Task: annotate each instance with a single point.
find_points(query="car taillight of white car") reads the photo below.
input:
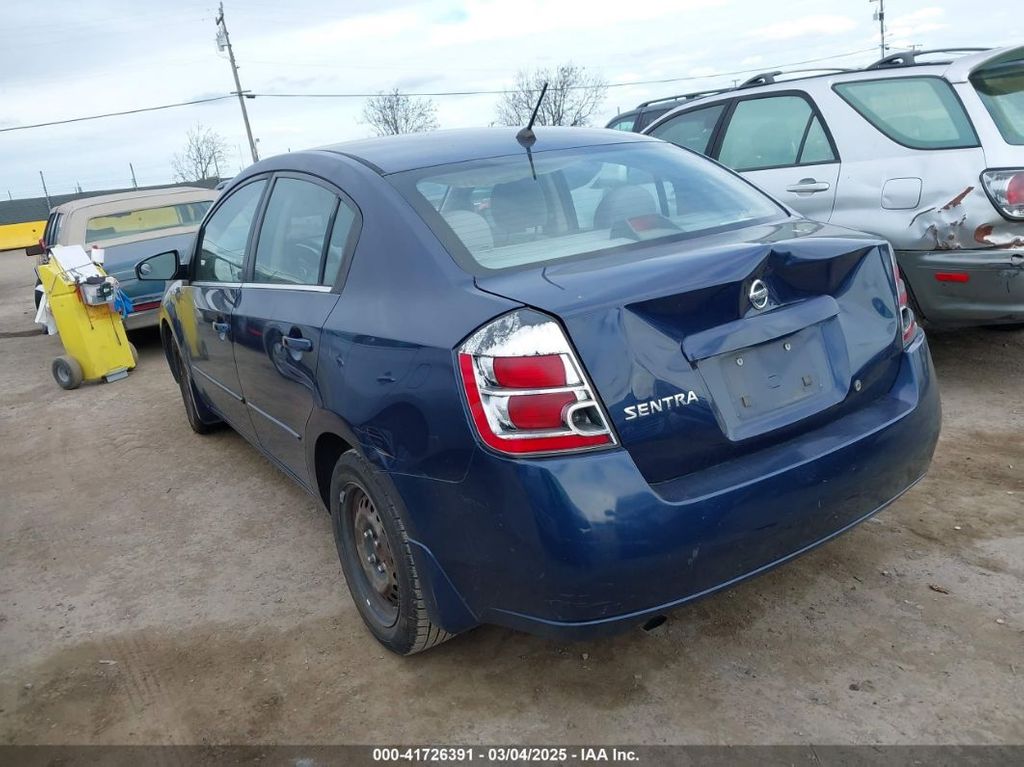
(1005, 187)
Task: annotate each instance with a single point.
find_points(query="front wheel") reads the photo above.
(377, 559)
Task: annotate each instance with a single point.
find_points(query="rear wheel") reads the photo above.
(67, 372)
(377, 560)
(135, 355)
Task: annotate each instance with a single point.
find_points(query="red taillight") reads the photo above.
(539, 411)
(535, 372)
(526, 391)
(1015, 190)
(908, 323)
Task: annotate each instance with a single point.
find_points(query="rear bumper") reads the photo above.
(990, 289)
(582, 546)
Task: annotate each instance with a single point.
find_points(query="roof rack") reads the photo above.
(768, 78)
(909, 58)
(683, 97)
(901, 59)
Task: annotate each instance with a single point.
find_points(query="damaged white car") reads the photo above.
(924, 148)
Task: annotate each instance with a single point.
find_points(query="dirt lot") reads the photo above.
(161, 587)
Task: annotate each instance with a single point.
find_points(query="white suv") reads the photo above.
(928, 154)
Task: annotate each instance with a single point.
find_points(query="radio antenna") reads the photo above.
(526, 136)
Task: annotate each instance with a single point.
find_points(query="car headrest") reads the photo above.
(471, 228)
(518, 206)
(621, 203)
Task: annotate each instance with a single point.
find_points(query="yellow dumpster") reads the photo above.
(80, 298)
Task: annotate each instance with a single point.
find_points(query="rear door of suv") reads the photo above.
(777, 140)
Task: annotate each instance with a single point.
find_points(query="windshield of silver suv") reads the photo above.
(519, 210)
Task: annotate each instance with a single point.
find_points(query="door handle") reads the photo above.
(809, 186)
(297, 344)
(221, 328)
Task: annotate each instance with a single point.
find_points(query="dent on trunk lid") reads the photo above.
(629, 322)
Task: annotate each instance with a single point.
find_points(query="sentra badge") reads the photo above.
(652, 406)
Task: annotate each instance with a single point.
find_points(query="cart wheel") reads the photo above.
(135, 356)
(67, 372)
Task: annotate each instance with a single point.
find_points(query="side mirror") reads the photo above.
(161, 267)
(35, 250)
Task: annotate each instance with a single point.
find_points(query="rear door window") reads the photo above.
(294, 230)
(774, 133)
(692, 130)
(917, 112)
(1001, 89)
(343, 235)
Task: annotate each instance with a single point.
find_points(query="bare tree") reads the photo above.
(392, 113)
(205, 150)
(574, 94)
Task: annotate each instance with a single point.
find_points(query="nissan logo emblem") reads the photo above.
(758, 294)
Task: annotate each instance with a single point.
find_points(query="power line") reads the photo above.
(663, 81)
(117, 114)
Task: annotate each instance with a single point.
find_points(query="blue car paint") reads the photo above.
(577, 545)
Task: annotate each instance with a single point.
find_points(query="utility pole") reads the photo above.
(45, 193)
(135, 183)
(880, 18)
(224, 41)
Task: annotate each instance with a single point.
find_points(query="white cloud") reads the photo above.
(806, 26)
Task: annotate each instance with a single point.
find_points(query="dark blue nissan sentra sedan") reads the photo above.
(561, 386)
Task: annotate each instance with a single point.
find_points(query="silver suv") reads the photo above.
(928, 154)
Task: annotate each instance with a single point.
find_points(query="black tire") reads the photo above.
(67, 372)
(189, 399)
(390, 603)
(37, 295)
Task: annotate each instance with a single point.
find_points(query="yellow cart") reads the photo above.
(81, 302)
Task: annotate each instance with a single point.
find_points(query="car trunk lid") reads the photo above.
(705, 350)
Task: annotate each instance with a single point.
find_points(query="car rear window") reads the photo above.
(142, 220)
(1001, 89)
(918, 112)
(524, 209)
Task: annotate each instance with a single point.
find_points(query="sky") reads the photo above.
(63, 59)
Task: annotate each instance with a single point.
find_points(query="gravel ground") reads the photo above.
(161, 587)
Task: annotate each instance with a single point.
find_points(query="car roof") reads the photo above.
(151, 197)
(394, 154)
(902, 64)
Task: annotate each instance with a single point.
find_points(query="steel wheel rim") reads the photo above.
(373, 551)
(63, 373)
